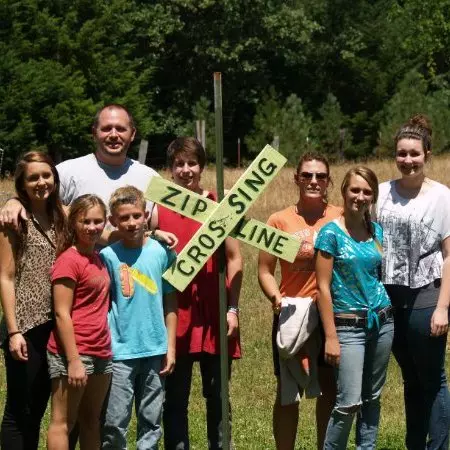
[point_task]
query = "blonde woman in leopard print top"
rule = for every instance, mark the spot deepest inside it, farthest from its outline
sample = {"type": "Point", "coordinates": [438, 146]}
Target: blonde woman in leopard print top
{"type": "Point", "coordinates": [26, 258]}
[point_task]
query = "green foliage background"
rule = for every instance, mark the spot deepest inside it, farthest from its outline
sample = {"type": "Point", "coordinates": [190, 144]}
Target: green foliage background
{"type": "Point", "coordinates": [335, 75]}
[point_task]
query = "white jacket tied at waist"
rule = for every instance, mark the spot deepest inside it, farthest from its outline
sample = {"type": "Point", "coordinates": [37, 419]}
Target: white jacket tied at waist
{"type": "Point", "coordinates": [298, 330]}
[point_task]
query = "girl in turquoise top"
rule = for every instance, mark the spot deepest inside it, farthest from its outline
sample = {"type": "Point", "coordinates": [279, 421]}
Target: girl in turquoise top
{"type": "Point", "coordinates": [355, 311]}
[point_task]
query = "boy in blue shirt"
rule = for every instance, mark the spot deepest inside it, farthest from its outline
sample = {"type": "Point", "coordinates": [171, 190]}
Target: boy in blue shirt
{"type": "Point", "coordinates": [142, 320]}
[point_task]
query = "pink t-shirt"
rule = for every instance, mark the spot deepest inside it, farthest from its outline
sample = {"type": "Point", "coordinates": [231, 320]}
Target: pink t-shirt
{"type": "Point", "coordinates": [90, 303]}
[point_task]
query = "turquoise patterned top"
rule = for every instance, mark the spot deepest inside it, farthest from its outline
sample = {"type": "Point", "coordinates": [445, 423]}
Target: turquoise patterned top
{"type": "Point", "coordinates": [355, 284]}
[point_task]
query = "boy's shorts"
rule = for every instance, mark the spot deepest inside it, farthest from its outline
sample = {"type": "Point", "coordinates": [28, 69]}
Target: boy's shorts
{"type": "Point", "coordinates": [57, 365]}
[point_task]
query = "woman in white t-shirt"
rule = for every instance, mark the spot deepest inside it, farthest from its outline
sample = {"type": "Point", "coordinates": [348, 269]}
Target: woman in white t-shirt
{"type": "Point", "coordinates": [415, 214]}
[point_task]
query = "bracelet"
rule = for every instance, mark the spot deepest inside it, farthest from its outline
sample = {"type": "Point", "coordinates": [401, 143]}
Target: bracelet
{"type": "Point", "coordinates": [14, 333]}
{"type": "Point", "coordinates": [234, 310]}
{"type": "Point", "coordinates": [152, 233]}
{"type": "Point", "coordinates": [276, 308]}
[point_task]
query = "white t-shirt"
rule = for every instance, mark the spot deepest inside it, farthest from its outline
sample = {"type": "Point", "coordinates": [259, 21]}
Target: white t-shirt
{"type": "Point", "coordinates": [413, 232]}
{"type": "Point", "coordinates": [87, 175]}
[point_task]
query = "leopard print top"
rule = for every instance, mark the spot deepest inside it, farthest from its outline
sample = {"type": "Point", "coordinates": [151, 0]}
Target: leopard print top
{"type": "Point", "coordinates": [33, 287]}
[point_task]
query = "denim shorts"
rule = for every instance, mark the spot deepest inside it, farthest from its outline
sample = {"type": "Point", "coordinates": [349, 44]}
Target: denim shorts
{"type": "Point", "coordinates": [57, 365]}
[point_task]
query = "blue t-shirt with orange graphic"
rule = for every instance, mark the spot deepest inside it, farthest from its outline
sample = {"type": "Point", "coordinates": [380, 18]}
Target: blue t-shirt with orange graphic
{"type": "Point", "coordinates": [136, 316]}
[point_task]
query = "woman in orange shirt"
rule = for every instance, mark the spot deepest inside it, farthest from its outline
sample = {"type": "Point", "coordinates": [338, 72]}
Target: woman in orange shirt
{"type": "Point", "coordinates": [298, 279]}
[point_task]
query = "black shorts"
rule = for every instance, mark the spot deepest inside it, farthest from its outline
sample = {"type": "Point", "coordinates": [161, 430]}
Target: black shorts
{"type": "Point", "coordinates": [276, 356]}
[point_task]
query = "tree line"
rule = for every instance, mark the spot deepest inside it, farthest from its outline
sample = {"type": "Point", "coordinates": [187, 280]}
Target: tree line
{"type": "Point", "coordinates": [333, 75]}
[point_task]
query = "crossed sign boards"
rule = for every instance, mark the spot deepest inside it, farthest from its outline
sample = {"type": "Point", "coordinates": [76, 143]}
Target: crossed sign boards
{"type": "Point", "coordinates": [223, 219]}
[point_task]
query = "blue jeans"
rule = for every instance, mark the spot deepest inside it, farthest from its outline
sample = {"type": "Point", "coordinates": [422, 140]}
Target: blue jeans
{"type": "Point", "coordinates": [360, 377]}
{"type": "Point", "coordinates": [422, 362]}
{"type": "Point", "coordinates": [139, 379]}
{"type": "Point", "coordinates": [178, 388]}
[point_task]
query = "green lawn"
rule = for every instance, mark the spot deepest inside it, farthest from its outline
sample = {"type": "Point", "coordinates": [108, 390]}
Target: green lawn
{"type": "Point", "coordinates": [253, 383]}
{"type": "Point", "coordinates": [253, 387]}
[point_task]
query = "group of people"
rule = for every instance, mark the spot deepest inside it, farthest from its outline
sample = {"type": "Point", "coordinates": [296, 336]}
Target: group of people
{"type": "Point", "coordinates": [377, 272]}
{"type": "Point", "coordinates": [89, 320]}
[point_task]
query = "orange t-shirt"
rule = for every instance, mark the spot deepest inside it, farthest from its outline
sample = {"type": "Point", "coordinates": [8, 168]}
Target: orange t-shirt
{"type": "Point", "coordinates": [298, 279]}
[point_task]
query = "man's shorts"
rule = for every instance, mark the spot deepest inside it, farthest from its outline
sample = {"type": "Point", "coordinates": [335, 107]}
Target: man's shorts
{"type": "Point", "coordinates": [57, 365]}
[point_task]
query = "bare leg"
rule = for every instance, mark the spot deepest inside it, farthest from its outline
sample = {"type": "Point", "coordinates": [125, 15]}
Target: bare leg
{"type": "Point", "coordinates": [90, 411]}
{"type": "Point", "coordinates": [65, 403]}
{"type": "Point", "coordinates": [325, 403]}
{"type": "Point", "coordinates": [285, 422]}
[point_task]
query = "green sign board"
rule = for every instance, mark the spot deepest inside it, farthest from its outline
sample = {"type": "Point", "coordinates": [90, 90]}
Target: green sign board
{"type": "Point", "coordinates": [224, 219]}
{"type": "Point", "coordinates": [251, 231]}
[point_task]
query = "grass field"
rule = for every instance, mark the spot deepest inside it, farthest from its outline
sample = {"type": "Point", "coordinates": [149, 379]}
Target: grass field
{"type": "Point", "coordinates": [253, 383]}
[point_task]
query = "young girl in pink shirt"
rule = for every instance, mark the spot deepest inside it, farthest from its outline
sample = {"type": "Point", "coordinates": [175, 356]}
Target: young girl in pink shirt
{"type": "Point", "coordinates": [79, 348]}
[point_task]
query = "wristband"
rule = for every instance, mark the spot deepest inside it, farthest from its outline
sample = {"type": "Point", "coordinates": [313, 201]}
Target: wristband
{"type": "Point", "coordinates": [276, 308]}
{"type": "Point", "coordinates": [234, 310]}
{"type": "Point", "coordinates": [14, 333]}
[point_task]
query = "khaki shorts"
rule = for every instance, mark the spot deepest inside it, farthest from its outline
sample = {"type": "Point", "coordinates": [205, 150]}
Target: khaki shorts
{"type": "Point", "coordinates": [57, 365]}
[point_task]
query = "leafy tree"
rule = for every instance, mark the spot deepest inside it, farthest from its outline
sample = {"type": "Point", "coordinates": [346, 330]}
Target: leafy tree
{"type": "Point", "coordinates": [417, 95]}
{"type": "Point", "coordinates": [331, 134]}
{"type": "Point", "coordinates": [44, 106]}
{"type": "Point", "coordinates": [418, 37]}
{"type": "Point", "coordinates": [288, 120]}
{"type": "Point", "coordinates": [63, 59]}
{"type": "Point", "coordinates": [252, 42]}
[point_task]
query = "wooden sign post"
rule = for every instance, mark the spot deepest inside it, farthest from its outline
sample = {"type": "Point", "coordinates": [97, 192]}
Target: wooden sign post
{"type": "Point", "coordinates": [223, 303]}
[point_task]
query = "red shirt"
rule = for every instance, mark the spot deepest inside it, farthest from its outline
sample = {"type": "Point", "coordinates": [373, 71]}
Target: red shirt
{"type": "Point", "coordinates": [198, 305]}
{"type": "Point", "coordinates": [90, 303]}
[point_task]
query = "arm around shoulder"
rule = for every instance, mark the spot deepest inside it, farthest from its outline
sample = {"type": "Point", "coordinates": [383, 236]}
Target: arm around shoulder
{"type": "Point", "coordinates": [166, 237]}
{"type": "Point", "coordinates": [11, 213]}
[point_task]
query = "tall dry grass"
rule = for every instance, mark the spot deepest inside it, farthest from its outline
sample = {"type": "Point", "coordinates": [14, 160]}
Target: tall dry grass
{"type": "Point", "coordinates": [253, 383]}
{"type": "Point", "coordinates": [282, 191]}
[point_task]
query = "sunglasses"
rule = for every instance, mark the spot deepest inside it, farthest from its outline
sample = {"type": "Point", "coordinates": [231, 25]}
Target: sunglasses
{"type": "Point", "coordinates": [308, 176]}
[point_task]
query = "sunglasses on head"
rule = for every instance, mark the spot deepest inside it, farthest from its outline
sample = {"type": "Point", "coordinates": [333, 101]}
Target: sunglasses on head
{"type": "Point", "coordinates": [321, 176]}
